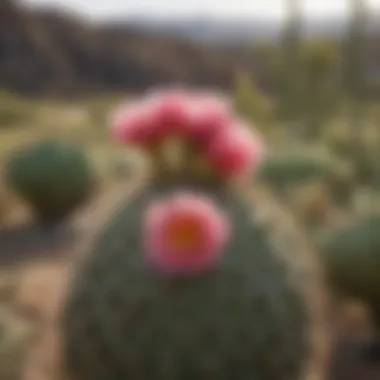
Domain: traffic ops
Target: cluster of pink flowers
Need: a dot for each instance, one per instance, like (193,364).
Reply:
(185,234)
(203,119)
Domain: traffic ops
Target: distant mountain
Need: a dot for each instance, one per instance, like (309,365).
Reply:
(236,30)
(208,29)
(239,30)
(46,51)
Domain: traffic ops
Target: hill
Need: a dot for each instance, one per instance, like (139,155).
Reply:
(47,52)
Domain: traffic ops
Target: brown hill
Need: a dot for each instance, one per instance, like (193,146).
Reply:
(45,52)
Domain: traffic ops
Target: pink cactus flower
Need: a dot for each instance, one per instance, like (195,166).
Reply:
(185,233)
(209,114)
(133,124)
(235,151)
(171,110)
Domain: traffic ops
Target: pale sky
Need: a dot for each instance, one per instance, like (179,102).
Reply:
(103,9)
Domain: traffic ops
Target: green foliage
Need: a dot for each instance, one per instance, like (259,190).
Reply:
(251,103)
(286,171)
(320,99)
(308,92)
(319,56)
(54,177)
(290,66)
(362,156)
(247,320)
(352,256)
(266,58)
(353,69)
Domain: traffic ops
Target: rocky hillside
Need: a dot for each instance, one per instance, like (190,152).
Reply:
(42,52)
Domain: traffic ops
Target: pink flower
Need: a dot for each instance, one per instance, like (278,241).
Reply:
(133,124)
(170,109)
(235,151)
(209,114)
(185,233)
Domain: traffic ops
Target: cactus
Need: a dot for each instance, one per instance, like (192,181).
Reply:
(290,78)
(54,177)
(289,169)
(285,171)
(351,254)
(363,161)
(242,303)
(320,87)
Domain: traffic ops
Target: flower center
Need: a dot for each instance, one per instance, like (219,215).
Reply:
(184,233)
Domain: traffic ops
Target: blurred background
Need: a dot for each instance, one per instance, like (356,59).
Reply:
(306,73)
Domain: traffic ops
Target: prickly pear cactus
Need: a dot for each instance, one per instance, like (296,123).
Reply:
(195,278)
(54,177)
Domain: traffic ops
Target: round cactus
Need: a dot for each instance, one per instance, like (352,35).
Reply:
(195,280)
(352,256)
(54,177)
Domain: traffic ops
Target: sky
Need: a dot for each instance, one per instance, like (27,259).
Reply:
(105,9)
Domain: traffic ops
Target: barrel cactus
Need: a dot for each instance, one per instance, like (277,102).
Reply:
(54,177)
(194,277)
(352,257)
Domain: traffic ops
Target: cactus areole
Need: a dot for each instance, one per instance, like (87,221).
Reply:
(187,282)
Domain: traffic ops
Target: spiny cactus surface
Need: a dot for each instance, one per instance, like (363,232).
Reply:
(192,278)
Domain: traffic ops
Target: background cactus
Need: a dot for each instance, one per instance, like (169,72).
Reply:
(289,169)
(284,172)
(54,177)
(351,254)
(253,316)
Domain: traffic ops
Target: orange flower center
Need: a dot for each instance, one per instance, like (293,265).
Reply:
(184,233)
